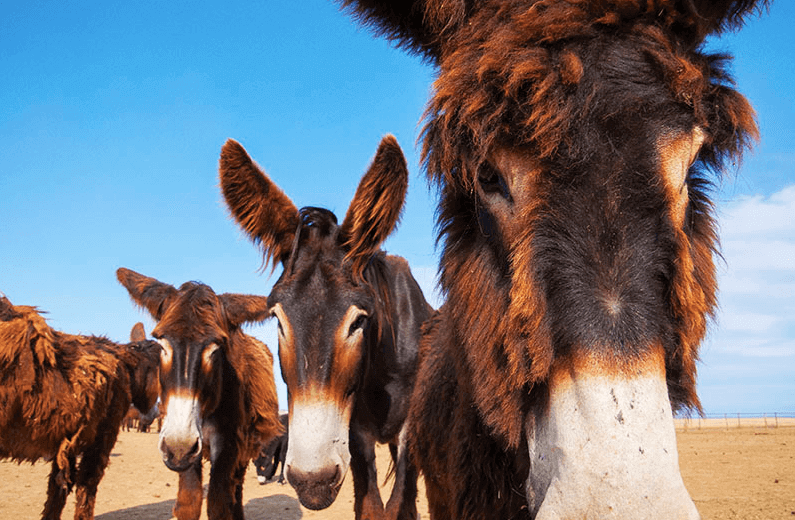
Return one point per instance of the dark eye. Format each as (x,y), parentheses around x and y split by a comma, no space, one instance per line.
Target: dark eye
(491,182)
(359,323)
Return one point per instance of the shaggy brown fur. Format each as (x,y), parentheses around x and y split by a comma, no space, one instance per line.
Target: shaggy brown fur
(63,397)
(236,390)
(556,111)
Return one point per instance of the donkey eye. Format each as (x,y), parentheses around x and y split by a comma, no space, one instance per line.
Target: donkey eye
(277,313)
(359,323)
(491,182)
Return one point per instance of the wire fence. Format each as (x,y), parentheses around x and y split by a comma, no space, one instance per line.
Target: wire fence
(737,420)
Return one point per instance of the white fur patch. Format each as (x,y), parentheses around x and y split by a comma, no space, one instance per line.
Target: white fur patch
(166,351)
(607,450)
(181,424)
(318,436)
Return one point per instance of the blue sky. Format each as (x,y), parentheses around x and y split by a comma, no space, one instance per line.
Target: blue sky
(112,118)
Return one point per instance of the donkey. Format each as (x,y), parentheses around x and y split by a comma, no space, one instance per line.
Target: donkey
(217,389)
(572,143)
(64,396)
(349,322)
(273,455)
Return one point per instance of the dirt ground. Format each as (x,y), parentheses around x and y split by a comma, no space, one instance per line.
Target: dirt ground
(740,473)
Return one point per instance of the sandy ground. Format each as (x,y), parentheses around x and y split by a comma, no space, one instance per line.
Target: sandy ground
(740,473)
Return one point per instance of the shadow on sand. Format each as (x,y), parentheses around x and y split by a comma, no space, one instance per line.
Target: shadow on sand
(266,508)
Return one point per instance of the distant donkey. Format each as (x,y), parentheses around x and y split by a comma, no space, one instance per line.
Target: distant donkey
(273,455)
(217,389)
(349,319)
(64,397)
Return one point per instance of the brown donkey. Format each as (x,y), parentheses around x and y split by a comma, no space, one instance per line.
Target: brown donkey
(217,389)
(64,397)
(572,143)
(349,322)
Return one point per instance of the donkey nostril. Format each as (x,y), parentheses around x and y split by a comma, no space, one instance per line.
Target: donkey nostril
(194,451)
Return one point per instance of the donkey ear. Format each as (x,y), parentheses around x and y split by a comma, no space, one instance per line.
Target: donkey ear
(243,308)
(375,209)
(146,292)
(138,333)
(419,26)
(719,15)
(264,212)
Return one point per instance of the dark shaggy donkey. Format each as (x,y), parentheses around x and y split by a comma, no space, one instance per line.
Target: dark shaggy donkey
(64,397)
(273,454)
(217,389)
(572,143)
(349,323)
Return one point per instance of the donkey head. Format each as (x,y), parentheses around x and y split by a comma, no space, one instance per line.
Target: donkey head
(571,141)
(145,369)
(324,303)
(195,331)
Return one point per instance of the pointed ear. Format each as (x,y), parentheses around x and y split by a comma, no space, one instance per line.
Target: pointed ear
(719,15)
(375,209)
(243,308)
(419,26)
(264,212)
(138,333)
(146,292)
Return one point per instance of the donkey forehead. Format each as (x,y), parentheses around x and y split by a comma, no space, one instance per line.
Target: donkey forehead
(319,277)
(318,293)
(193,316)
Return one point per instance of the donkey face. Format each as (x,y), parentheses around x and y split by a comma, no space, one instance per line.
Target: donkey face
(570,141)
(194,330)
(145,384)
(327,313)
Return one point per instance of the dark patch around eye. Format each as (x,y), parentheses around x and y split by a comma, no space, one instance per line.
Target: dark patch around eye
(491,182)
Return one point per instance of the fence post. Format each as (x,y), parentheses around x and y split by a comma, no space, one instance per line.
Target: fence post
(726,419)
(764,415)
(738,419)
(775,414)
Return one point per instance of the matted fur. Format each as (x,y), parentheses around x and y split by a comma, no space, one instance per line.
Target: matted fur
(240,398)
(63,397)
(546,76)
(584,93)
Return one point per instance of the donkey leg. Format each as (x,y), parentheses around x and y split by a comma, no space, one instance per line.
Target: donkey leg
(221,503)
(92,467)
(367,499)
(57,491)
(402,503)
(240,474)
(189,495)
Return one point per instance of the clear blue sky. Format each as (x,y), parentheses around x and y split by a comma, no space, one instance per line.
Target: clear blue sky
(112,118)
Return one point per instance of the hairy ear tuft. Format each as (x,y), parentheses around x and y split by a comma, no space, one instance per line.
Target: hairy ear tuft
(138,333)
(244,308)
(261,209)
(145,291)
(375,210)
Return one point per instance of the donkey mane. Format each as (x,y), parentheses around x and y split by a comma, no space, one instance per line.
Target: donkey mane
(408,26)
(518,79)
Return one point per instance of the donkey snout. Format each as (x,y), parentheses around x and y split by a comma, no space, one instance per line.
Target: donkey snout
(316,489)
(180,454)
